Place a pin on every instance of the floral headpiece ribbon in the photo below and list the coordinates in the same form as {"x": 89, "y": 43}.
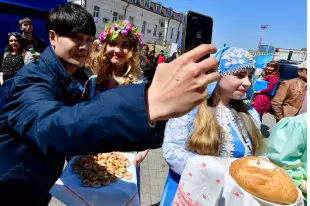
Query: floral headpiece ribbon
{"x": 121, "y": 27}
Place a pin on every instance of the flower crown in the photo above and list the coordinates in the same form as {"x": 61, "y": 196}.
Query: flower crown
{"x": 121, "y": 27}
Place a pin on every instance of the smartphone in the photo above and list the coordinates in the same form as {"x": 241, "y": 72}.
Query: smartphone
{"x": 197, "y": 30}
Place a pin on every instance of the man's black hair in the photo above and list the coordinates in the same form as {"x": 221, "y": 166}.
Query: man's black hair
{"x": 70, "y": 18}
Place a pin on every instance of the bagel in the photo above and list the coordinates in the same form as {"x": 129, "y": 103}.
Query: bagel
{"x": 102, "y": 163}
{"x": 83, "y": 160}
{"x": 83, "y": 174}
{"x": 101, "y": 169}
{"x": 127, "y": 163}
{"x": 93, "y": 176}
{"x": 85, "y": 183}
{"x": 113, "y": 178}
{"x": 122, "y": 170}
{"x": 119, "y": 174}
{"x": 87, "y": 166}
{"x": 122, "y": 164}
{"x": 105, "y": 181}
{"x": 102, "y": 173}
{"x": 127, "y": 176}
{"x": 109, "y": 161}
{"x": 115, "y": 165}
{"x": 111, "y": 170}
{"x": 96, "y": 184}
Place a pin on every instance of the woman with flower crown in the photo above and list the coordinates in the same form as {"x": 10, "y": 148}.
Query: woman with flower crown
{"x": 118, "y": 63}
{"x": 221, "y": 126}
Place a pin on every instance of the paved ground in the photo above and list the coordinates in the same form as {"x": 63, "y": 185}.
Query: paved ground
{"x": 154, "y": 171}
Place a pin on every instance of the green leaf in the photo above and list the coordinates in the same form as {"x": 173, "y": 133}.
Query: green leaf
{"x": 113, "y": 36}
{"x": 135, "y": 30}
{"x": 107, "y": 26}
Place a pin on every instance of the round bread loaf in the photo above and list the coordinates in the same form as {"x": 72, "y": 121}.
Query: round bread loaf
{"x": 264, "y": 180}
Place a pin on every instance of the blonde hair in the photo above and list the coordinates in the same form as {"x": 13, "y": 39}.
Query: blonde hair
{"x": 92, "y": 61}
{"x": 206, "y": 137}
{"x": 133, "y": 65}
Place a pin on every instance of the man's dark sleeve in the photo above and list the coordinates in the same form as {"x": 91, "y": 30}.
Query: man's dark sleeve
{"x": 115, "y": 120}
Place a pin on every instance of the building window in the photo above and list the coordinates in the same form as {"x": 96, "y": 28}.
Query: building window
{"x": 134, "y": 1}
{"x": 115, "y": 14}
{"x": 143, "y": 27}
{"x": 158, "y": 8}
{"x": 155, "y": 30}
{"x": 147, "y": 3}
{"x": 131, "y": 19}
{"x": 171, "y": 34}
{"x": 96, "y": 11}
{"x": 121, "y": 17}
{"x": 170, "y": 11}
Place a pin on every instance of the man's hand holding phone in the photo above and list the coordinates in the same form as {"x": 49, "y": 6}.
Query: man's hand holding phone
{"x": 180, "y": 85}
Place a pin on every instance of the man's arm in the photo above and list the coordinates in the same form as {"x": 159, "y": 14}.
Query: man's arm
{"x": 278, "y": 99}
{"x": 272, "y": 82}
{"x": 115, "y": 120}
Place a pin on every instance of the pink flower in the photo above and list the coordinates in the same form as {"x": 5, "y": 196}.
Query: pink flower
{"x": 124, "y": 32}
{"x": 128, "y": 28}
{"x": 139, "y": 35}
{"x": 102, "y": 36}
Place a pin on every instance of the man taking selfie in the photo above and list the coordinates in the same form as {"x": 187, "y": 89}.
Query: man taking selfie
{"x": 43, "y": 120}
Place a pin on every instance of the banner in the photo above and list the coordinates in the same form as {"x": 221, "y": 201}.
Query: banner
{"x": 262, "y": 60}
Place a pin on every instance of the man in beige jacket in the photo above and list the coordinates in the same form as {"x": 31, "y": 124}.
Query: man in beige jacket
{"x": 291, "y": 96}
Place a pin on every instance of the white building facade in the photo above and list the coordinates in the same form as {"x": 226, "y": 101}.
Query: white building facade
{"x": 157, "y": 24}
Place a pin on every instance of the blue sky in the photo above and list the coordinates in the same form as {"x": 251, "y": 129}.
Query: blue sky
{"x": 237, "y": 22}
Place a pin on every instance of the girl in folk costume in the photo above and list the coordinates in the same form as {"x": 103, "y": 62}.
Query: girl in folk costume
{"x": 221, "y": 126}
{"x": 118, "y": 63}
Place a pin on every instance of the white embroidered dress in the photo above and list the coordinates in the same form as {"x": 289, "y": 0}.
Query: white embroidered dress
{"x": 178, "y": 130}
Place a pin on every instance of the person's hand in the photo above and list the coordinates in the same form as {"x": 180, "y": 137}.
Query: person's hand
{"x": 36, "y": 55}
{"x": 140, "y": 157}
{"x": 180, "y": 85}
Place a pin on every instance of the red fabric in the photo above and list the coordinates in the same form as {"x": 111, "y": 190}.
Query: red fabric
{"x": 147, "y": 59}
{"x": 272, "y": 81}
{"x": 161, "y": 59}
{"x": 261, "y": 102}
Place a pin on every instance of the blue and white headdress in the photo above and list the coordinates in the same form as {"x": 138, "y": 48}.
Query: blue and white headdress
{"x": 232, "y": 60}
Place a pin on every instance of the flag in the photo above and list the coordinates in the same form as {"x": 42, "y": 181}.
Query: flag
{"x": 262, "y": 60}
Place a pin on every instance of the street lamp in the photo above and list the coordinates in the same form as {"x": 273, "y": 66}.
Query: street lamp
{"x": 263, "y": 28}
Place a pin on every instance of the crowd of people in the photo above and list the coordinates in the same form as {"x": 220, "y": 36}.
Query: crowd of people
{"x": 22, "y": 48}
{"x": 82, "y": 95}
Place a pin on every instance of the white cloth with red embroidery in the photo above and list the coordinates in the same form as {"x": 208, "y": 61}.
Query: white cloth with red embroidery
{"x": 205, "y": 181}
{"x": 68, "y": 189}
